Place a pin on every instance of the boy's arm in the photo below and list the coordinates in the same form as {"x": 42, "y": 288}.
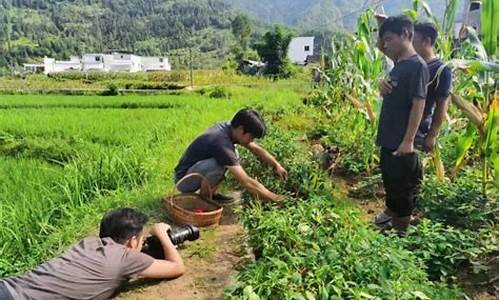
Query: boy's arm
{"x": 268, "y": 158}
{"x": 417, "y": 92}
{"x": 416, "y": 112}
{"x": 170, "y": 267}
{"x": 252, "y": 185}
{"x": 437, "y": 120}
{"x": 443, "y": 92}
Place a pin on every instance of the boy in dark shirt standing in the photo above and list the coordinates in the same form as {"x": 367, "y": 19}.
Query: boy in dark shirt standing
{"x": 438, "y": 89}
{"x": 400, "y": 117}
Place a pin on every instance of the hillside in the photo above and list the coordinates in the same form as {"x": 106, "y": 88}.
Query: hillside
{"x": 30, "y": 30}
{"x": 321, "y": 14}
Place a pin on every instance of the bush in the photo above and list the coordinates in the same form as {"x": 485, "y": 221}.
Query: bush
{"x": 314, "y": 247}
{"x": 219, "y": 92}
{"x": 443, "y": 249}
{"x": 459, "y": 203}
{"x": 112, "y": 90}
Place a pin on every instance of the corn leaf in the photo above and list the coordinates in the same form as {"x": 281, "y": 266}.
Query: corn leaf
{"x": 489, "y": 26}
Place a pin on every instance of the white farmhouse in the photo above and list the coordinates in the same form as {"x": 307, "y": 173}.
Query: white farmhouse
{"x": 153, "y": 63}
{"x": 300, "y": 48}
{"x": 471, "y": 16}
{"x": 93, "y": 62}
{"x": 122, "y": 62}
{"x": 112, "y": 62}
{"x": 53, "y": 66}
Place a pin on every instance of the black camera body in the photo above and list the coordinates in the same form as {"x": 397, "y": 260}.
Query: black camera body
{"x": 152, "y": 245}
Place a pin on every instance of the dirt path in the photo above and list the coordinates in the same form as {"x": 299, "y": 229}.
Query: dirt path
{"x": 370, "y": 199}
{"x": 211, "y": 262}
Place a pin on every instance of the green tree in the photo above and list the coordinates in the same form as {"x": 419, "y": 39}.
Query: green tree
{"x": 241, "y": 29}
{"x": 273, "y": 51}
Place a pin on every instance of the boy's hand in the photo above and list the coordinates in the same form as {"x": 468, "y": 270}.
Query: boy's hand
{"x": 404, "y": 148}
{"x": 159, "y": 229}
{"x": 282, "y": 173}
{"x": 385, "y": 87}
{"x": 278, "y": 198}
{"x": 429, "y": 143}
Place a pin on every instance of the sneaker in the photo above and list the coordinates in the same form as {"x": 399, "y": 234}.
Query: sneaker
{"x": 384, "y": 227}
{"x": 223, "y": 199}
{"x": 381, "y": 218}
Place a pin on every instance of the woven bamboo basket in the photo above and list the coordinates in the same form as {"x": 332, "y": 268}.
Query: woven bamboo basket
{"x": 193, "y": 208}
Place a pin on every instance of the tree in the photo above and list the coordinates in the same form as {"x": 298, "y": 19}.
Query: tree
{"x": 241, "y": 29}
{"x": 274, "y": 50}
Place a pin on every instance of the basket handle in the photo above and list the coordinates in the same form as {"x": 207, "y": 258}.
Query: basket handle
{"x": 205, "y": 189}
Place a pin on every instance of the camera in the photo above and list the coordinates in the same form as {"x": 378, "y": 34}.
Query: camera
{"x": 152, "y": 246}
{"x": 186, "y": 232}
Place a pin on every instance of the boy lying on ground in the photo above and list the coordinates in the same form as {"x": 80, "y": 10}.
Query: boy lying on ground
{"x": 96, "y": 267}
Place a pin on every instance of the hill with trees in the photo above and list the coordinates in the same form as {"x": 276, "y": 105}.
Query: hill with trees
{"x": 31, "y": 29}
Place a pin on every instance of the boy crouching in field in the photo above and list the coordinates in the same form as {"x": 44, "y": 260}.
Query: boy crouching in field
{"x": 97, "y": 267}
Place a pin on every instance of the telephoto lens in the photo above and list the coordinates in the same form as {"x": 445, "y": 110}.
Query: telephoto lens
{"x": 187, "y": 232}
{"x": 153, "y": 247}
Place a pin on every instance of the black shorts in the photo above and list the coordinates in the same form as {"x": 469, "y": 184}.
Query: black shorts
{"x": 402, "y": 177}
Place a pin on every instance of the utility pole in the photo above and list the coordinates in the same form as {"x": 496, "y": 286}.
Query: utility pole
{"x": 191, "y": 66}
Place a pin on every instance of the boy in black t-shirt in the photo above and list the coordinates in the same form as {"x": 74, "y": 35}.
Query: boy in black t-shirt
{"x": 400, "y": 118}
{"x": 213, "y": 153}
{"x": 438, "y": 91}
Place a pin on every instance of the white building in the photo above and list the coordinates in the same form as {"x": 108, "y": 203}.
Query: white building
{"x": 53, "y": 66}
{"x": 471, "y": 16}
{"x": 153, "y": 63}
{"x": 114, "y": 62}
{"x": 93, "y": 62}
{"x": 122, "y": 62}
{"x": 34, "y": 68}
{"x": 300, "y": 48}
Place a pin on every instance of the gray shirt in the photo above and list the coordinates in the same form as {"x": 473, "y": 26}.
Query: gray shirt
{"x": 92, "y": 269}
{"x": 408, "y": 78}
{"x": 214, "y": 143}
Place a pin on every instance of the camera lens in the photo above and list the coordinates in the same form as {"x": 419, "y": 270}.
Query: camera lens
{"x": 152, "y": 245}
{"x": 186, "y": 232}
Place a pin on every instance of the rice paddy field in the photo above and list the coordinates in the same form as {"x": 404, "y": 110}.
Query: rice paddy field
{"x": 64, "y": 160}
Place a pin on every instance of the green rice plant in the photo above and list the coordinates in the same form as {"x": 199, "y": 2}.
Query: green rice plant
{"x": 113, "y": 151}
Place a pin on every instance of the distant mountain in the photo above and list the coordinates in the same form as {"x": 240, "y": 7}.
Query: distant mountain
{"x": 322, "y": 14}
{"x": 32, "y": 29}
